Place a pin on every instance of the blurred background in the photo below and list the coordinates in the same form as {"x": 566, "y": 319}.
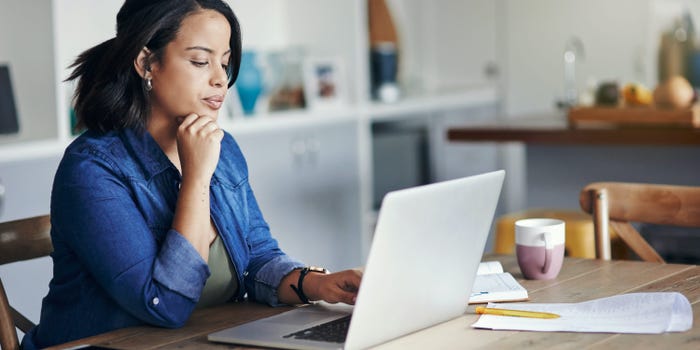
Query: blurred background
{"x": 340, "y": 101}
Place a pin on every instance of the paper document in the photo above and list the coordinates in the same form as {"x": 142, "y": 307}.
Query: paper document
{"x": 627, "y": 313}
{"x": 492, "y": 284}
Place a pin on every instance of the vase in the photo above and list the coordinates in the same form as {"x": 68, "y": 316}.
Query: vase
{"x": 249, "y": 83}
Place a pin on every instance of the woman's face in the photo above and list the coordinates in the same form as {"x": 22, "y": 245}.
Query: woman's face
{"x": 191, "y": 76}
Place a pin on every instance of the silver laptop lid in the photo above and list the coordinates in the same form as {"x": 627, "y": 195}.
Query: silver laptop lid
{"x": 426, "y": 249}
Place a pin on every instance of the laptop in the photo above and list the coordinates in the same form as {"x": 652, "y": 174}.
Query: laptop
{"x": 426, "y": 249}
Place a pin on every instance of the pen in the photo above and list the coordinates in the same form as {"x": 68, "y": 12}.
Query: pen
{"x": 518, "y": 313}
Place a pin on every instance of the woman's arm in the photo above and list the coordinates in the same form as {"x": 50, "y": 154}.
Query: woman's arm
{"x": 95, "y": 213}
{"x": 198, "y": 146}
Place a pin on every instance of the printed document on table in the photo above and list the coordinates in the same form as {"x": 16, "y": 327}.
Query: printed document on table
{"x": 649, "y": 313}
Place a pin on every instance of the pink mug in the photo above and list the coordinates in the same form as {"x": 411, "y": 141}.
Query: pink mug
{"x": 539, "y": 247}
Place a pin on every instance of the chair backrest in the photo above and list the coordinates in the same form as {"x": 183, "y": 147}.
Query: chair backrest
{"x": 616, "y": 204}
{"x": 20, "y": 240}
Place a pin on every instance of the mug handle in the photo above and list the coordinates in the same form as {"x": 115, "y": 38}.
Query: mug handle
{"x": 548, "y": 249}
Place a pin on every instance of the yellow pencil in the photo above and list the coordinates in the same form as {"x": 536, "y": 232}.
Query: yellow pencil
{"x": 518, "y": 313}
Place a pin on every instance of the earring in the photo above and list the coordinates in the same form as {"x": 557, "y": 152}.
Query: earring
{"x": 149, "y": 84}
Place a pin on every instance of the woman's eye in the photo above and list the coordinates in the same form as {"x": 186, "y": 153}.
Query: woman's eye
{"x": 225, "y": 67}
{"x": 199, "y": 64}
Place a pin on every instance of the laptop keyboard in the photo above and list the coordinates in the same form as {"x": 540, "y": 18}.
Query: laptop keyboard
{"x": 334, "y": 331}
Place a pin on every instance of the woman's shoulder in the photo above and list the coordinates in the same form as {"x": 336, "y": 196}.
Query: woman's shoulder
{"x": 92, "y": 150}
{"x": 92, "y": 140}
{"x": 91, "y": 143}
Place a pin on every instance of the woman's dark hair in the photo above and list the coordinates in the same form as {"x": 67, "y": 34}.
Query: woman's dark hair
{"x": 110, "y": 94}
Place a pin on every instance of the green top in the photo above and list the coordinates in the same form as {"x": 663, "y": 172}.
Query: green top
{"x": 222, "y": 283}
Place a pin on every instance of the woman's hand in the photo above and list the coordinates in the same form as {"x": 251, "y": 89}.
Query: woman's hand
{"x": 198, "y": 146}
{"x": 333, "y": 288}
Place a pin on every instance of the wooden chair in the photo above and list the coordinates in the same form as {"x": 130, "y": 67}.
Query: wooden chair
{"x": 616, "y": 204}
{"x": 20, "y": 240}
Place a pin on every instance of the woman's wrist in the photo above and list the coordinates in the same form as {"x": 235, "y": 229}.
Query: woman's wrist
{"x": 308, "y": 284}
{"x": 201, "y": 181}
{"x": 312, "y": 285}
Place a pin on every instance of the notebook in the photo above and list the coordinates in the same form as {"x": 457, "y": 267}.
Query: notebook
{"x": 494, "y": 285}
{"x": 425, "y": 253}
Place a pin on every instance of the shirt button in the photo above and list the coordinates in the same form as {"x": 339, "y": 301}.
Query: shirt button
{"x": 156, "y": 301}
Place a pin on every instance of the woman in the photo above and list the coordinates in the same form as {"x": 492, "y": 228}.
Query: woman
{"x": 151, "y": 210}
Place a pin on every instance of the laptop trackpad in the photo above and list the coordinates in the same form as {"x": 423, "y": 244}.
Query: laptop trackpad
{"x": 305, "y": 315}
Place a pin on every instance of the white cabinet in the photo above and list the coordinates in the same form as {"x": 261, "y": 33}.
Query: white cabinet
{"x": 456, "y": 159}
{"x": 307, "y": 184}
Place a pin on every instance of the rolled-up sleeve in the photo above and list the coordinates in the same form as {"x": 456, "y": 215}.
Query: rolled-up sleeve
{"x": 172, "y": 273}
{"x": 268, "y": 278}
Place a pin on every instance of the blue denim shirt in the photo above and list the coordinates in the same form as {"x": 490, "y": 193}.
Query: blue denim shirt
{"x": 117, "y": 260}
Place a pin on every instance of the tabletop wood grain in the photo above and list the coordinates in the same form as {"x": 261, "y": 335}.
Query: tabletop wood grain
{"x": 579, "y": 280}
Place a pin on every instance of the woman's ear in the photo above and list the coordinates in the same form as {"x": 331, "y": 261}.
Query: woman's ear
{"x": 142, "y": 63}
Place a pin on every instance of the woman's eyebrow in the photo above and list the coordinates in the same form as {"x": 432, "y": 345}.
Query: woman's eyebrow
{"x": 205, "y": 49}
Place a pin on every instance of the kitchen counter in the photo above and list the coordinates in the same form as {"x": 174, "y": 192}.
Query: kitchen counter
{"x": 554, "y": 130}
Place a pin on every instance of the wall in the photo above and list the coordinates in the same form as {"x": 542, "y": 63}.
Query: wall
{"x": 620, "y": 40}
{"x": 614, "y": 36}
{"x": 447, "y": 46}
{"x": 556, "y": 174}
{"x": 29, "y": 56}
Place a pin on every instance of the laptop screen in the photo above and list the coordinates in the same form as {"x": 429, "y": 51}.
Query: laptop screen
{"x": 8, "y": 112}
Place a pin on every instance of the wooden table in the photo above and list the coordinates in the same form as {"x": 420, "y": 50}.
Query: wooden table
{"x": 579, "y": 280}
{"x": 554, "y": 130}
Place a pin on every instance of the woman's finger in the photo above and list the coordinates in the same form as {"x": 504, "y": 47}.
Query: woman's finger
{"x": 187, "y": 120}
{"x": 212, "y": 127}
{"x": 200, "y": 123}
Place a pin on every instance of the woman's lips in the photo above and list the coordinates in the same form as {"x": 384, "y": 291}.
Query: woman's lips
{"x": 214, "y": 102}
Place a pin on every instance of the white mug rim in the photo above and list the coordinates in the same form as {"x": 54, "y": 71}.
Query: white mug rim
{"x": 528, "y": 232}
{"x": 538, "y": 222}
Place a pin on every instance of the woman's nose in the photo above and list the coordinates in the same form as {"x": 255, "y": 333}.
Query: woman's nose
{"x": 220, "y": 77}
